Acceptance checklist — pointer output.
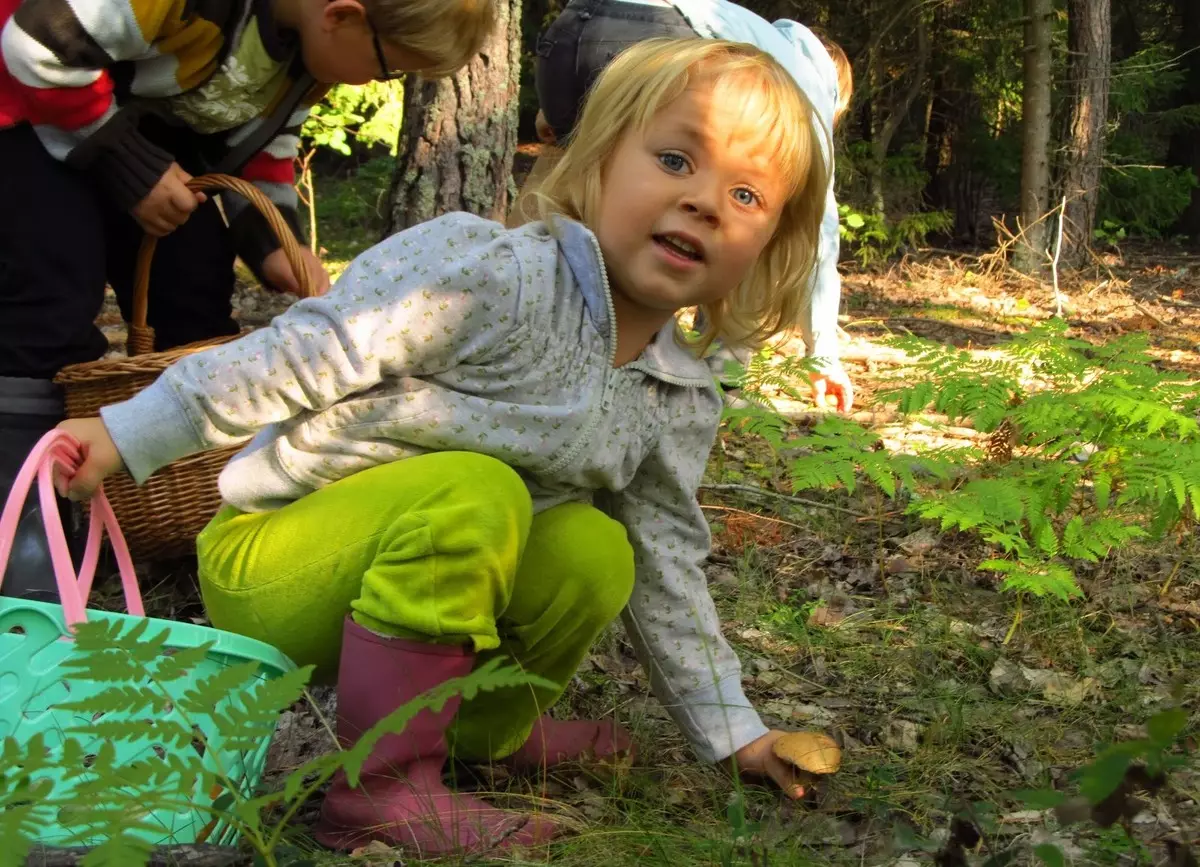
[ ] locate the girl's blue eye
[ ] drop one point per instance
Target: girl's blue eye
(745, 196)
(673, 162)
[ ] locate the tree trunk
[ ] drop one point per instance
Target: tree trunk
(1089, 37)
(1035, 145)
(1185, 142)
(875, 82)
(460, 133)
(888, 115)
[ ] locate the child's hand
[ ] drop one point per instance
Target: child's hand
(168, 204)
(545, 133)
(100, 458)
(758, 759)
(277, 272)
(835, 383)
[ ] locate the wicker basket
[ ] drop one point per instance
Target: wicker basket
(163, 516)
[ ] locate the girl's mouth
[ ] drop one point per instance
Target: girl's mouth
(680, 247)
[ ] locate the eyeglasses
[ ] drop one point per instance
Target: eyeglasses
(386, 74)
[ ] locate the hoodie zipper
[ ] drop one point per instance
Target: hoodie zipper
(601, 407)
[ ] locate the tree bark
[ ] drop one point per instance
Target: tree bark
(1035, 145)
(460, 133)
(1089, 37)
(887, 116)
(1185, 142)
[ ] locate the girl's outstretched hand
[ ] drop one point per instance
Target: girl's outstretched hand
(835, 384)
(100, 458)
(757, 758)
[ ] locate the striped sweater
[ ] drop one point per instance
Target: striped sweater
(82, 73)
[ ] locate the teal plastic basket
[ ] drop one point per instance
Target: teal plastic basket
(36, 639)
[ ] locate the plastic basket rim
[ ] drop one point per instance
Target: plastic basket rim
(193, 634)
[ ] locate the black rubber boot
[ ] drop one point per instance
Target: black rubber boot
(29, 408)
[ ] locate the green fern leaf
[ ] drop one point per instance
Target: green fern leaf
(245, 722)
(493, 674)
(118, 849)
(165, 731)
(214, 689)
(122, 699)
(181, 662)
(1041, 579)
(1044, 537)
(1102, 488)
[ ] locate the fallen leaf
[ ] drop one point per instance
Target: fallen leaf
(903, 736)
(1058, 688)
(1007, 678)
(812, 714)
(1022, 817)
(375, 851)
(920, 542)
(825, 616)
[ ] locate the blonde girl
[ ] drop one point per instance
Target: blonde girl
(488, 442)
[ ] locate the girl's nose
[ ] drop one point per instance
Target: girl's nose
(701, 197)
(703, 205)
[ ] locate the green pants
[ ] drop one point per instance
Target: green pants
(441, 547)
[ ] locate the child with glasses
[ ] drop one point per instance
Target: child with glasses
(107, 109)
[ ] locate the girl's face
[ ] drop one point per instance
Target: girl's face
(687, 205)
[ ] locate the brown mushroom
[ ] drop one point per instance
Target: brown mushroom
(813, 753)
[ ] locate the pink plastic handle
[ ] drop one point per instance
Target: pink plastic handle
(59, 448)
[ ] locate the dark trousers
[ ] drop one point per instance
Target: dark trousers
(581, 41)
(61, 241)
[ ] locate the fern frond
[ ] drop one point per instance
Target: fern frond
(24, 793)
(758, 421)
(1091, 540)
(821, 472)
(493, 674)
(244, 723)
(213, 690)
(1038, 579)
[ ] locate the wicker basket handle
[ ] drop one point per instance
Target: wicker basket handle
(141, 335)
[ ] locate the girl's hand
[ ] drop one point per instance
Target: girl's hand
(835, 383)
(277, 272)
(100, 458)
(757, 758)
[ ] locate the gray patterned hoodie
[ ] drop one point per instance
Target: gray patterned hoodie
(460, 335)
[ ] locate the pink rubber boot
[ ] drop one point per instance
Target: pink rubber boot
(555, 742)
(401, 799)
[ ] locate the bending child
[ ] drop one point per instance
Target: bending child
(487, 441)
(585, 37)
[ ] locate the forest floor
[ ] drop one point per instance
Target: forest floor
(860, 621)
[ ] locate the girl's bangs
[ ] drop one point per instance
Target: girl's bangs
(769, 112)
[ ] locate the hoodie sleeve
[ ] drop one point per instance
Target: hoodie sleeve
(671, 619)
(423, 300)
(820, 323)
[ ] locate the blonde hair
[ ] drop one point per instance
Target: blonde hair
(446, 32)
(643, 80)
(845, 76)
